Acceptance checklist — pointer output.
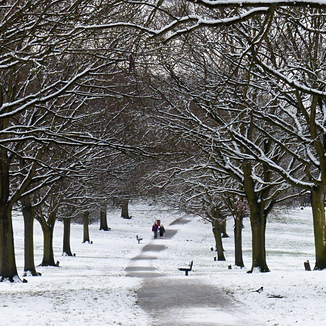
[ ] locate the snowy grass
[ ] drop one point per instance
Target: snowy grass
(92, 288)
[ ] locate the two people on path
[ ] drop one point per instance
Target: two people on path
(155, 228)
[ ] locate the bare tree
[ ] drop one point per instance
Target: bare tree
(53, 58)
(294, 74)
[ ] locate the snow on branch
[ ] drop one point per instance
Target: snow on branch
(258, 3)
(196, 22)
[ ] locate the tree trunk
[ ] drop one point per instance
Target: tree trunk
(103, 221)
(86, 227)
(238, 222)
(318, 212)
(257, 221)
(28, 214)
(218, 240)
(125, 209)
(48, 255)
(8, 269)
(258, 228)
(66, 237)
(224, 233)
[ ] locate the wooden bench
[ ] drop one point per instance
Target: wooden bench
(138, 238)
(186, 269)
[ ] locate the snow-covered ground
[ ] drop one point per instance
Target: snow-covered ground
(93, 289)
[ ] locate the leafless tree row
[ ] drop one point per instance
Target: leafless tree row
(245, 86)
(221, 105)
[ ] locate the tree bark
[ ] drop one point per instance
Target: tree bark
(8, 269)
(125, 209)
(86, 227)
(28, 214)
(224, 233)
(318, 212)
(238, 222)
(103, 220)
(218, 240)
(257, 221)
(48, 255)
(66, 237)
(258, 229)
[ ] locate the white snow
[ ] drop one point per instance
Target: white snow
(93, 289)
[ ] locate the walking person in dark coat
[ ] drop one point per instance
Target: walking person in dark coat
(162, 230)
(155, 229)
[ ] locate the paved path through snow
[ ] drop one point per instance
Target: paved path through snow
(175, 301)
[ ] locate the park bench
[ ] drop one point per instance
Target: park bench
(186, 269)
(138, 238)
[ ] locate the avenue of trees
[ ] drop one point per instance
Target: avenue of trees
(246, 84)
(218, 107)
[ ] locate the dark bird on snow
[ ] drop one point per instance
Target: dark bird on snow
(259, 290)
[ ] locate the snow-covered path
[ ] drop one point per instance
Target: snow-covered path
(181, 301)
